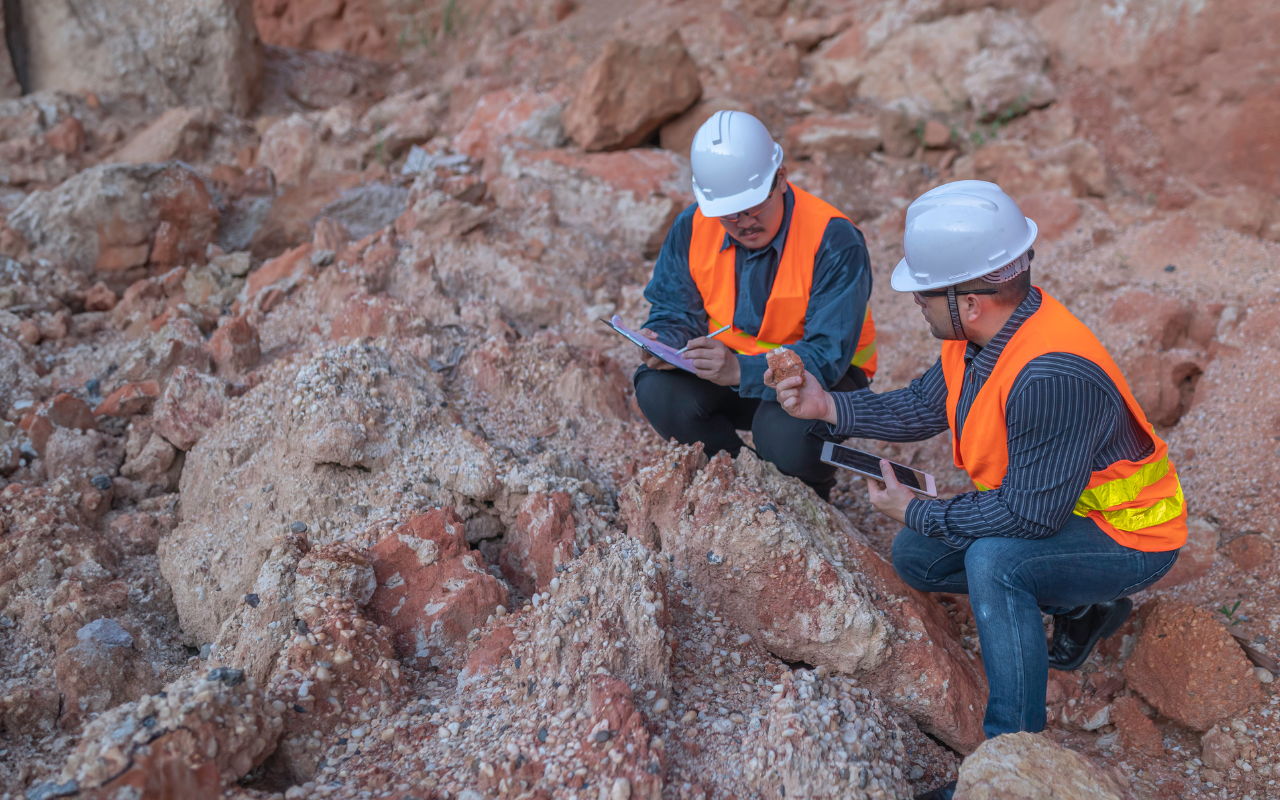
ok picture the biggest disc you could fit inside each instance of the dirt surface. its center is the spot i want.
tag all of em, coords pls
(319, 476)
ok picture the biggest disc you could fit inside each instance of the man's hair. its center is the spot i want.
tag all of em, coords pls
(1011, 293)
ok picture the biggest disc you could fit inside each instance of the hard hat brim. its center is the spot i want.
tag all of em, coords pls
(720, 206)
(903, 280)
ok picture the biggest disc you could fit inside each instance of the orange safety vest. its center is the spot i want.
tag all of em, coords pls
(1137, 503)
(714, 273)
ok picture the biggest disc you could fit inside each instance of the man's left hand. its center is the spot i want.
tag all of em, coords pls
(890, 497)
(714, 361)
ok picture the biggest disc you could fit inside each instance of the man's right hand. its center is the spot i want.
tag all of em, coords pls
(809, 401)
(650, 360)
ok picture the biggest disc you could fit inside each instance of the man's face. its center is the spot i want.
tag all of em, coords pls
(756, 227)
(938, 316)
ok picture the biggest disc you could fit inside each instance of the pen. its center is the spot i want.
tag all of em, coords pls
(711, 335)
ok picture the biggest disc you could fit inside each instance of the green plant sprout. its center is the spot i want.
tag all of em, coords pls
(1230, 614)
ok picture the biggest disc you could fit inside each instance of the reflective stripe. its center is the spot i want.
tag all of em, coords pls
(864, 355)
(1135, 519)
(1122, 490)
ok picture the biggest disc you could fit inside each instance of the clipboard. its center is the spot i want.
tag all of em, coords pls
(651, 346)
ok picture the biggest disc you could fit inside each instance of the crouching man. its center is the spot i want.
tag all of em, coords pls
(1078, 505)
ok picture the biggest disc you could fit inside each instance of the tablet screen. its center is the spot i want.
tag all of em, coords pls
(869, 463)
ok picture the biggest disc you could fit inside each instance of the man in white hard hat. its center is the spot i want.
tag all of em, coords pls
(1077, 503)
(777, 266)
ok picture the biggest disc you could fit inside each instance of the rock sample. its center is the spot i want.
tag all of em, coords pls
(1018, 765)
(785, 364)
(1189, 667)
(173, 52)
(795, 574)
(629, 91)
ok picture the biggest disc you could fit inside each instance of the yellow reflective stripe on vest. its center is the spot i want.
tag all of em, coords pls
(864, 355)
(1135, 519)
(1122, 490)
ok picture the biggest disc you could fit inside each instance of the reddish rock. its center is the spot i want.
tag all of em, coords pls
(68, 411)
(488, 656)
(99, 298)
(192, 403)
(67, 137)
(289, 149)
(785, 364)
(807, 34)
(1218, 750)
(505, 117)
(1137, 733)
(1189, 667)
(848, 135)
(1250, 552)
(936, 134)
(373, 316)
(629, 91)
(782, 566)
(179, 133)
(101, 671)
(1054, 213)
(541, 539)
(235, 347)
(432, 589)
(129, 400)
(329, 234)
(613, 709)
(1025, 765)
(282, 272)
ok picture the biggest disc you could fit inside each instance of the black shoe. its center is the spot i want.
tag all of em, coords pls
(1076, 633)
(943, 792)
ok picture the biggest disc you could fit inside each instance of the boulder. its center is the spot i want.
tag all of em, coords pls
(117, 219)
(990, 60)
(629, 91)
(846, 135)
(795, 574)
(210, 727)
(1189, 667)
(179, 133)
(191, 404)
(677, 135)
(432, 589)
(1018, 765)
(172, 53)
(542, 540)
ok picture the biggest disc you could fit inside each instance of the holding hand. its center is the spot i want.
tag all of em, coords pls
(650, 360)
(803, 398)
(714, 361)
(890, 497)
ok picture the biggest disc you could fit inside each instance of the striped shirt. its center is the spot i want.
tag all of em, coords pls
(1066, 419)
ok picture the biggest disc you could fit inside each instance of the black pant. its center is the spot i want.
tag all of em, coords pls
(686, 408)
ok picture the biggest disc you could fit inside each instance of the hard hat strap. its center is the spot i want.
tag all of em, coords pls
(954, 308)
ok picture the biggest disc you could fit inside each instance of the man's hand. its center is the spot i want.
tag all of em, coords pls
(888, 496)
(809, 401)
(714, 361)
(650, 360)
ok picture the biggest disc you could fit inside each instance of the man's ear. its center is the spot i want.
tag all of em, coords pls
(972, 306)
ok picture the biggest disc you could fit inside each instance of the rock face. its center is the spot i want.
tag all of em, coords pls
(1018, 765)
(798, 576)
(118, 220)
(992, 60)
(542, 540)
(1188, 666)
(629, 91)
(173, 53)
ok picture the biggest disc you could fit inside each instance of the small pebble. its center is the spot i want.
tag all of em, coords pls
(1264, 675)
(298, 527)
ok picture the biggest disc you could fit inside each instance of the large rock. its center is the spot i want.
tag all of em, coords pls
(191, 404)
(170, 52)
(629, 91)
(542, 540)
(119, 219)
(432, 589)
(795, 574)
(991, 60)
(1018, 765)
(1189, 667)
(204, 729)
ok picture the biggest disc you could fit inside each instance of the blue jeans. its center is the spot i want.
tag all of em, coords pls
(1009, 581)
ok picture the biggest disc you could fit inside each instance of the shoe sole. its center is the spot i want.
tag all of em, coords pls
(1110, 625)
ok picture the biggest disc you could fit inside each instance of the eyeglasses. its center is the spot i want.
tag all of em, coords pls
(922, 296)
(754, 213)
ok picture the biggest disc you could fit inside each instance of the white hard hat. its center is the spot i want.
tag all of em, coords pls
(734, 160)
(960, 231)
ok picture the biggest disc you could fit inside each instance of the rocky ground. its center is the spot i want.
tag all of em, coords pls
(319, 477)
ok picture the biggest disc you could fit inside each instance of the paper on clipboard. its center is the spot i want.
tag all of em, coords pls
(662, 351)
